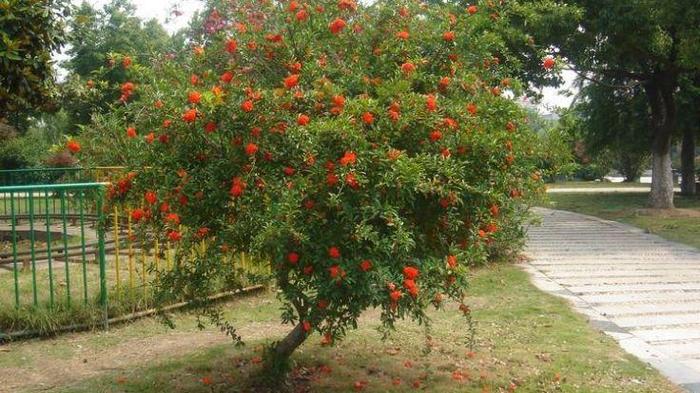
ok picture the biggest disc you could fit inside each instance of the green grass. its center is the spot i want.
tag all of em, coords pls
(524, 337)
(595, 184)
(681, 226)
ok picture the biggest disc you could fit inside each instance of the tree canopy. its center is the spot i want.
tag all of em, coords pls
(30, 31)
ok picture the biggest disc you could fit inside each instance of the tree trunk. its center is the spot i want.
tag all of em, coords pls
(688, 162)
(284, 349)
(661, 196)
(660, 91)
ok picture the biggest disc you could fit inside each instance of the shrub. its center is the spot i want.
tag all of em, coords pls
(367, 152)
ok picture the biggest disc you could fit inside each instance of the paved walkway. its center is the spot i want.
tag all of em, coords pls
(640, 289)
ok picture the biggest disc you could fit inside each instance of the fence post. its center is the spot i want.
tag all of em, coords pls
(101, 226)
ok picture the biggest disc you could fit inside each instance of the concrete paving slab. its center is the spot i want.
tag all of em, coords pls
(636, 287)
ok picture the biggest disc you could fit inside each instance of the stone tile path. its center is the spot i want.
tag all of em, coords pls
(640, 289)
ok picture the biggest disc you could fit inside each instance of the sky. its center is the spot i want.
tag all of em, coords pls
(162, 10)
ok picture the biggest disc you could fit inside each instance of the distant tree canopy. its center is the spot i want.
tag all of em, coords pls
(102, 45)
(29, 32)
(647, 46)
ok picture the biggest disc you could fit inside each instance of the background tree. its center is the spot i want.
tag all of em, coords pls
(689, 127)
(595, 37)
(30, 31)
(102, 46)
(614, 123)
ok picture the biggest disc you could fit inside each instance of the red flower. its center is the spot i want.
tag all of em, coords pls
(472, 108)
(302, 15)
(510, 126)
(306, 325)
(150, 197)
(444, 83)
(189, 116)
(231, 46)
(226, 77)
(435, 135)
(291, 81)
(366, 265)
(368, 118)
(158, 104)
(247, 106)
(131, 132)
(334, 252)
(293, 258)
(303, 120)
(174, 236)
(336, 271)
(349, 158)
(251, 149)
(448, 36)
(548, 63)
(137, 215)
(408, 68)
(127, 87)
(431, 103)
(322, 304)
(327, 339)
(194, 97)
(402, 35)
(126, 62)
(452, 261)
(348, 5)
(395, 295)
(149, 138)
(410, 273)
(494, 210)
(237, 187)
(164, 207)
(496, 91)
(339, 101)
(351, 180)
(202, 232)
(490, 228)
(73, 146)
(167, 123)
(337, 25)
(331, 179)
(472, 9)
(210, 127)
(173, 218)
(289, 171)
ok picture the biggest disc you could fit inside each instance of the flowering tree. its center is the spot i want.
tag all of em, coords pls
(367, 152)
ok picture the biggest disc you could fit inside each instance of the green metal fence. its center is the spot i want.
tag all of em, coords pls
(51, 236)
(68, 260)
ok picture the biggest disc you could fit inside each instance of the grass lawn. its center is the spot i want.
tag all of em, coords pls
(526, 340)
(681, 225)
(595, 184)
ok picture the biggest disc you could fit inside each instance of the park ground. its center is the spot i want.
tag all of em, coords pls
(525, 340)
(681, 225)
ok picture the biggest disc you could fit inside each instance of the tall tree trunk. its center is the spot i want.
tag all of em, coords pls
(660, 92)
(661, 196)
(688, 161)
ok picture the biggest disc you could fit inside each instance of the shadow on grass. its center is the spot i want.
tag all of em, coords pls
(527, 341)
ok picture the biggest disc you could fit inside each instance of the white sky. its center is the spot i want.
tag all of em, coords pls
(162, 10)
